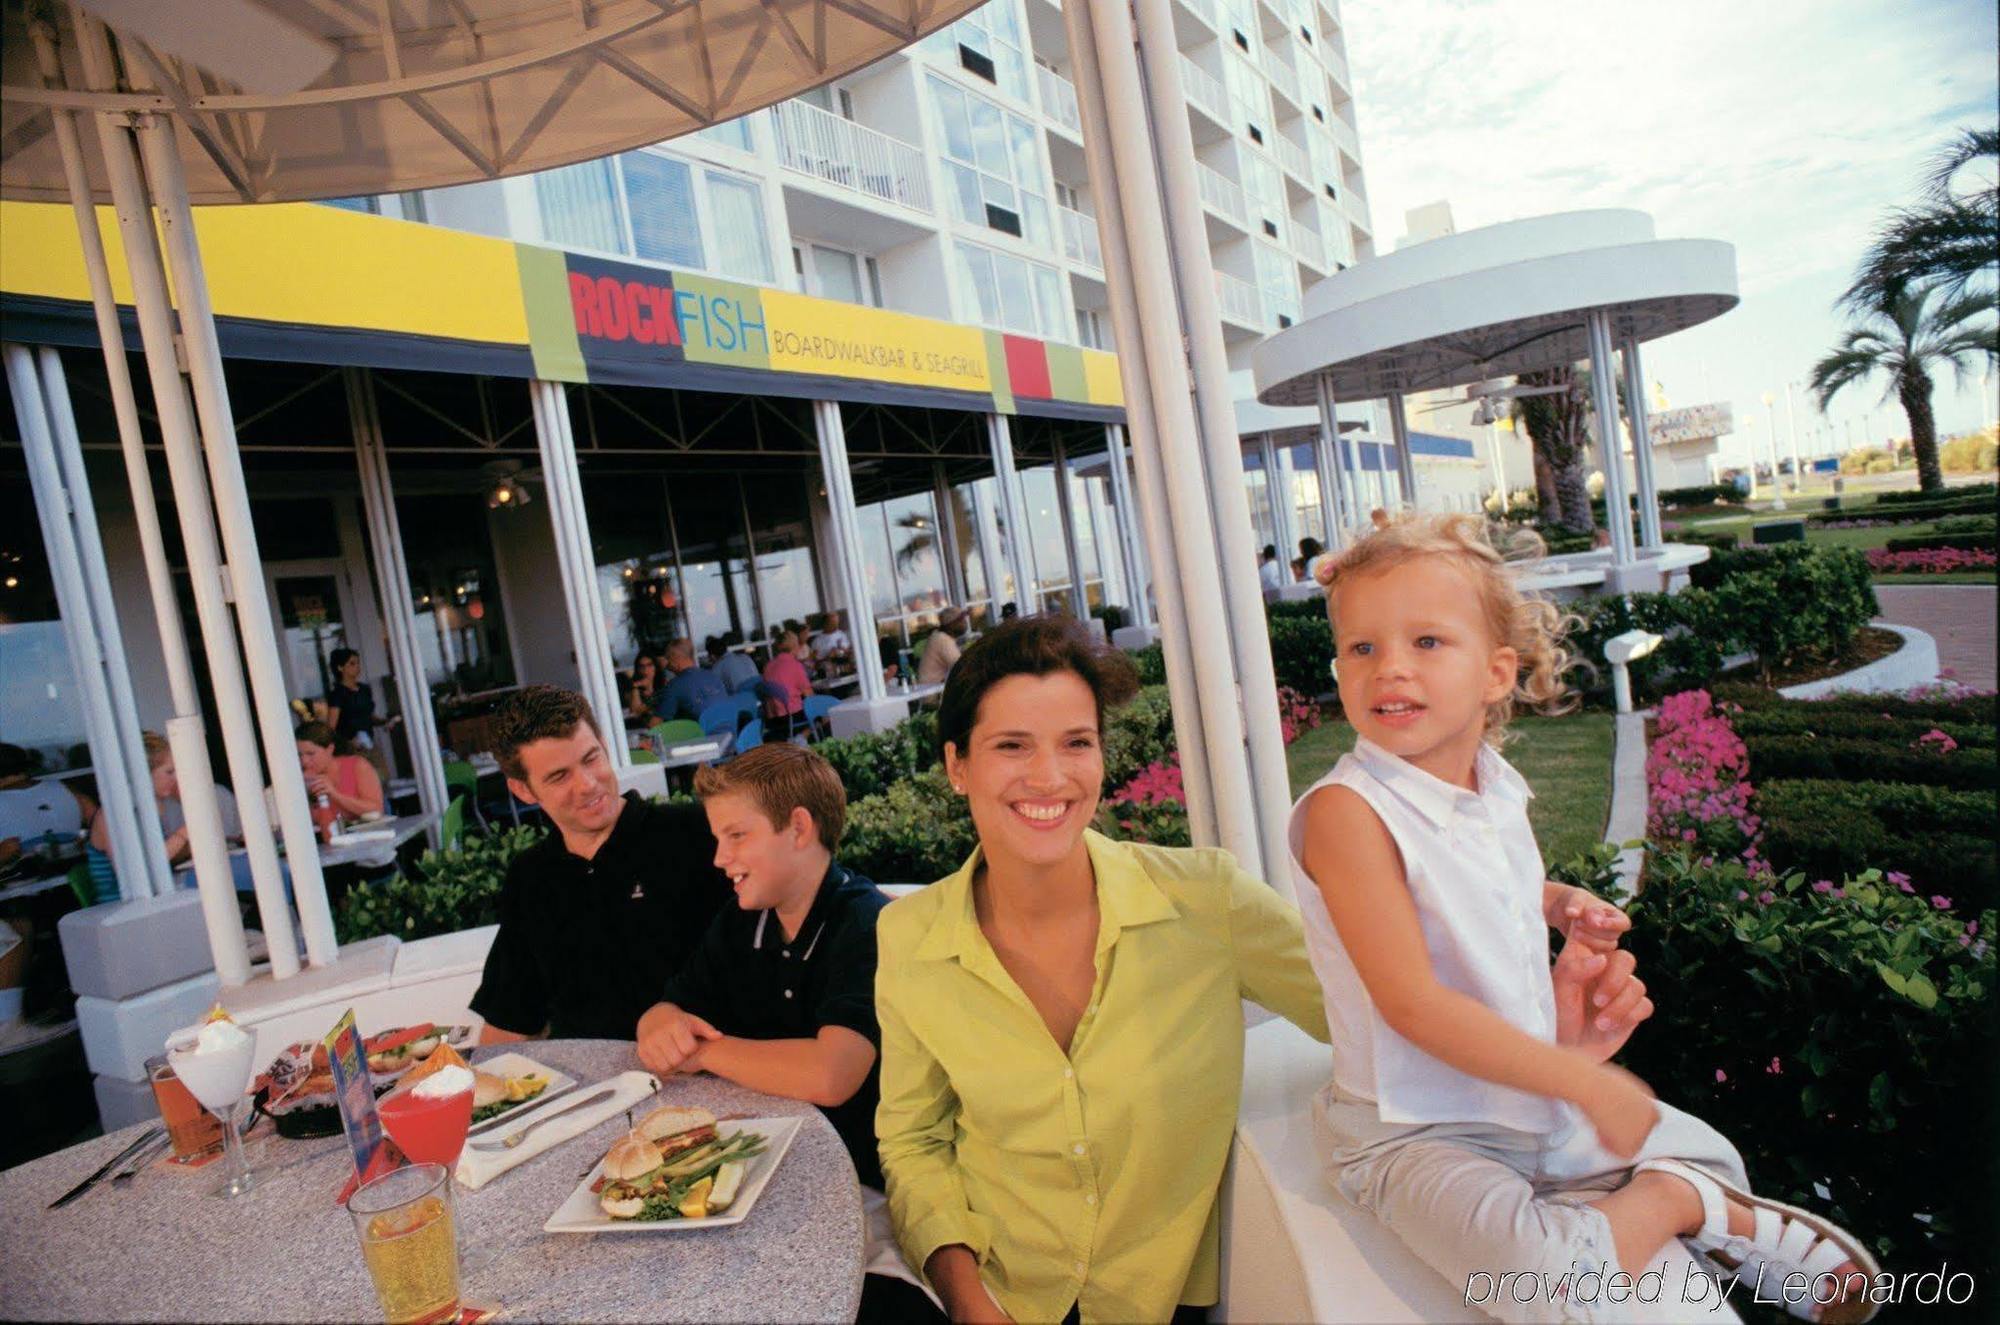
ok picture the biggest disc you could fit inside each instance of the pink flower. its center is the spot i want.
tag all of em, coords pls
(1742, 896)
(1935, 740)
(1766, 897)
(1941, 903)
(1776, 1068)
(1720, 1076)
(1823, 886)
(1900, 879)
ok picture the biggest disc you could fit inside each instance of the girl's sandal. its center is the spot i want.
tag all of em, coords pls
(1787, 1241)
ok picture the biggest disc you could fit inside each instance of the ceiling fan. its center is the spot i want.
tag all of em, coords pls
(506, 484)
(1488, 398)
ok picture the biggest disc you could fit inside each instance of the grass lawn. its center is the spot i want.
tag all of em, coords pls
(1567, 761)
(1942, 577)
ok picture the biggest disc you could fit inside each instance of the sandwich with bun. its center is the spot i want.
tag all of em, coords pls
(675, 1165)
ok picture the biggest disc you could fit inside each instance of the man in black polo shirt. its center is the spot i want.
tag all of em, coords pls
(780, 996)
(598, 916)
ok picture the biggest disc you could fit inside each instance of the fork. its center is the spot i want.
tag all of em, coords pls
(123, 1178)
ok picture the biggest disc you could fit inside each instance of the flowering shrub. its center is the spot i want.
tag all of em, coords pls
(1697, 788)
(1837, 1029)
(1155, 784)
(1297, 713)
(1931, 561)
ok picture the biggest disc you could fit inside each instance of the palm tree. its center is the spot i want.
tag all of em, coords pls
(1909, 338)
(1948, 239)
(1555, 425)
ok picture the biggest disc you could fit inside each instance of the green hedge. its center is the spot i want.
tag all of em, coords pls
(1979, 710)
(1719, 539)
(1920, 497)
(1302, 653)
(1944, 542)
(1780, 604)
(872, 762)
(448, 891)
(1965, 524)
(1844, 1041)
(1821, 718)
(1941, 837)
(1908, 513)
(1707, 494)
(1857, 759)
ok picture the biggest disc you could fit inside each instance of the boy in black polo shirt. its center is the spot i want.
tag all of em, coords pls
(780, 994)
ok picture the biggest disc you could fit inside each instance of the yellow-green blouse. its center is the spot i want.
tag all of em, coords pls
(1090, 1177)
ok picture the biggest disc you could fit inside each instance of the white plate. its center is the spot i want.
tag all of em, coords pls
(520, 1065)
(582, 1214)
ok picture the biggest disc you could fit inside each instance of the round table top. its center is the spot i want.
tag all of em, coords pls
(165, 1248)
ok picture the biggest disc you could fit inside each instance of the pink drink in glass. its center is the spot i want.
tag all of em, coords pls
(428, 1129)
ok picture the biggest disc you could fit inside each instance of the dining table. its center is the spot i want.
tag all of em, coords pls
(163, 1247)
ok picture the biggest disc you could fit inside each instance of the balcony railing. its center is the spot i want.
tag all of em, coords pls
(1240, 303)
(1338, 64)
(1283, 77)
(1293, 158)
(1220, 192)
(1079, 236)
(1308, 245)
(1345, 137)
(824, 145)
(1204, 90)
(1059, 99)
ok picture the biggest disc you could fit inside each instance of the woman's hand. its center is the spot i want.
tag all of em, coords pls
(316, 785)
(954, 1273)
(1619, 1107)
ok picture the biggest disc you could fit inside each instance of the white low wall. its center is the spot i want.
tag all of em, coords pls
(1915, 664)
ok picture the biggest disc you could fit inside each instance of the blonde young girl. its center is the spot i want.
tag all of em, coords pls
(1454, 1115)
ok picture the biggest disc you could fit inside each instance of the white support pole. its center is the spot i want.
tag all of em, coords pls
(1617, 509)
(1126, 516)
(206, 843)
(1335, 501)
(1406, 465)
(1013, 514)
(992, 553)
(127, 755)
(1642, 445)
(57, 507)
(1103, 43)
(1079, 604)
(832, 432)
(589, 640)
(271, 705)
(1284, 510)
(1791, 426)
(1149, 481)
(392, 593)
(1191, 272)
(947, 539)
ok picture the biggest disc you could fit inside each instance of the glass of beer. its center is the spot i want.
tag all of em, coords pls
(403, 1219)
(195, 1132)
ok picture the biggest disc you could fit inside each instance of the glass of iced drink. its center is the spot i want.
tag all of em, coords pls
(194, 1131)
(216, 1062)
(403, 1220)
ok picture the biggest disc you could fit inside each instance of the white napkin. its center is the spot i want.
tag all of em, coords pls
(476, 1168)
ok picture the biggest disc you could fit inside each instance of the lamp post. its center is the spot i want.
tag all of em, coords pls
(1792, 428)
(1771, 444)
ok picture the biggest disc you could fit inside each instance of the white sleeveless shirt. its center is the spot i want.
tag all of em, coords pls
(1476, 877)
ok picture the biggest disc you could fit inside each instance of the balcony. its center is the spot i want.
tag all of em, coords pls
(1059, 99)
(1205, 11)
(1239, 300)
(1204, 90)
(1079, 237)
(1293, 158)
(1337, 62)
(1310, 249)
(1345, 137)
(1284, 79)
(824, 145)
(1220, 193)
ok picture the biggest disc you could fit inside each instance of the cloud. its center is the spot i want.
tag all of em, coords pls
(1786, 127)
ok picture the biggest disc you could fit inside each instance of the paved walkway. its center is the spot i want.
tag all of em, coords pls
(1959, 616)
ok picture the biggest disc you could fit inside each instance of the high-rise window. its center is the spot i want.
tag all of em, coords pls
(579, 206)
(991, 35)
(1005, 291)
(993, 163)
(659, 194)
(737, 208)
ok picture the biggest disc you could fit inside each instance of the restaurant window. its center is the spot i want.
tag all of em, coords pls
(1048, 554)
(1089, 553)
(781, 534)
(41, 704)
(717, 597)
(973, 529)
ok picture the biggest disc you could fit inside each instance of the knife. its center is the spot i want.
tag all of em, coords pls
(148, 1135)
(513, 1139)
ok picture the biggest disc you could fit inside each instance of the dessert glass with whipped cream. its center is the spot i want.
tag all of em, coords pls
(429, 1121)
(216, 1062)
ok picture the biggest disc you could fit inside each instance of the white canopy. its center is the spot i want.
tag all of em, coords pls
(1492, 302)
(288, 100)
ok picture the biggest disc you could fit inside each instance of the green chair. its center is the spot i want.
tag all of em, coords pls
(645, 754)
(451, 829)
(678, 732)
(461, 779)
(80, 884)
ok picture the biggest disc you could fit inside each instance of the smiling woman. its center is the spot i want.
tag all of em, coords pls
(1062, 1038)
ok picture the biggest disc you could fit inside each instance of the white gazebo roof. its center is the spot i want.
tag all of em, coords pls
(289, 100)
(1492, 302)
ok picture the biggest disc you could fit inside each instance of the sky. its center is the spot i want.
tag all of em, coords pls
(1785, 127)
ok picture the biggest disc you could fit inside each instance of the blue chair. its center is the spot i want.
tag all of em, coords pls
(817, 707)
(723, 715)
(751, 736)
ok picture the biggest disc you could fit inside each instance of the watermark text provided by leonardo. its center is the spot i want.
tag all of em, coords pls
(1582, 1286)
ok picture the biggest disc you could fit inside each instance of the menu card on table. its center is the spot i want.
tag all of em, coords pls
(354, 1095)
